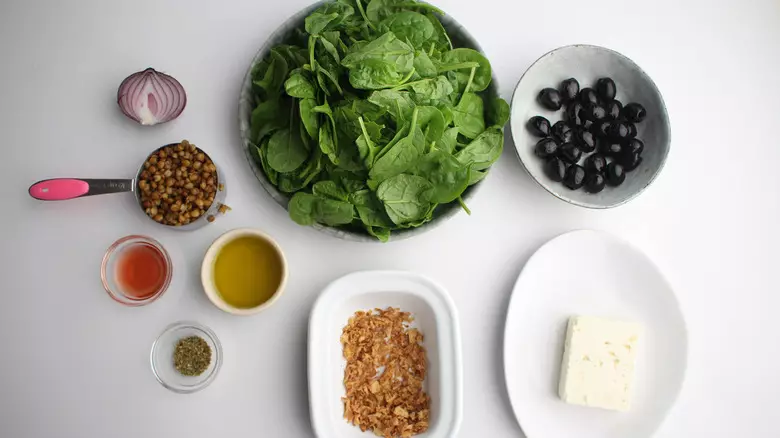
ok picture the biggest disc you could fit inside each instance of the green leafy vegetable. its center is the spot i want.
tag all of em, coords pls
(406, 198)
(469, 116)
(286, 151)
(370, 119)
(484, 150)
(409, 26)
(309, 117)
(306, 209)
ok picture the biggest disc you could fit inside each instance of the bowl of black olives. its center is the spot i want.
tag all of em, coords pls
(590, 126)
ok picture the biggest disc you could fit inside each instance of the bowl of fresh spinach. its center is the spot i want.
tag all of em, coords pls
(366, 119)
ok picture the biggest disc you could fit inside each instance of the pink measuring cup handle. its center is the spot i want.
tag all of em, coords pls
(60, 189)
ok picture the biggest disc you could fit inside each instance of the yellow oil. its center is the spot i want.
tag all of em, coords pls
(247, 272)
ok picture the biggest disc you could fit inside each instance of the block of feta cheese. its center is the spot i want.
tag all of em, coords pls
(599, 360)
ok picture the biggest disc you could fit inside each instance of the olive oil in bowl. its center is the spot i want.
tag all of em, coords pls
(243, 271)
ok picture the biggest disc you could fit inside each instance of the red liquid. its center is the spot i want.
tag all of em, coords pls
(141, 271)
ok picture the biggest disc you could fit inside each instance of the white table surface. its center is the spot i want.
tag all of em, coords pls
(75, 364)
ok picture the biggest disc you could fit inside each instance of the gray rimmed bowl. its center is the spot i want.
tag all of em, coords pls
(460, 38)
(587, 64)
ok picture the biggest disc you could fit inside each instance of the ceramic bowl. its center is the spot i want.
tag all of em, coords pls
(434, 315)
(207, 271)
(587, 64)
(460, 38)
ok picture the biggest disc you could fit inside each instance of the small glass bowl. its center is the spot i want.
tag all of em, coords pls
(108, 270)
(162, 357)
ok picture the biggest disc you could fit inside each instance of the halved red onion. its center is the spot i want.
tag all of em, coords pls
(150, 97)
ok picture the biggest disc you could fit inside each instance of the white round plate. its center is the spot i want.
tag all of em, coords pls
(591, 273)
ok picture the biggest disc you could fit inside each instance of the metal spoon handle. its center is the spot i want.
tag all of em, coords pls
(60, 189)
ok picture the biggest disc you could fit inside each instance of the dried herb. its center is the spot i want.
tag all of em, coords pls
(192, 356)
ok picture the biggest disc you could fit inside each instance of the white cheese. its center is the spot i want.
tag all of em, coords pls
(599, 362)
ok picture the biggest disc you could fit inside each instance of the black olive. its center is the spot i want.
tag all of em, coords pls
(546, 147)
(539, 126)
(630, 161)
(555, 169)
(633, 146)
(559, 129)
(618, 130)
(575, 177)
(631, 129)
(585, 140)
(596, 163)
(569, 89)
(594, 182)
(550, 98)
(570, 153)
(613, 109)
(567, 136)
(615, 174)
(573, 113)
(600, 129)
(611, 148)
(588, 95)
(593, 112)
(634, 112)
(606, 89)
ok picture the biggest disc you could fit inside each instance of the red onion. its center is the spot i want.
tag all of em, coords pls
(150, 97)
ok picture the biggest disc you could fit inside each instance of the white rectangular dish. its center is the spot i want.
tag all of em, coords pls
(435, 316)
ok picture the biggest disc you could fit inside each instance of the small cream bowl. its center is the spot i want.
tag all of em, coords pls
(209, 260)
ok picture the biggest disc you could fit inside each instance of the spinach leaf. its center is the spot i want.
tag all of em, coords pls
(382, 234)
(409, 26)
(312, 168)
(370, 211)
(401, 133)
(400, 157)
(448, 176)
(448, 140)
(406, 198)
(294, 56)
(366, 146)
(398, 103)
(327, 144)
(298, 86)
(461, 61)
(327, 17)
(423, 65)
(477, 176)
(306, 209)
(483, 150)
(262, 156)
(309, 117)
(498, 112)
(431, 122)
(330, 42)
(272, 77)
(468, 115)
(330, 189)
(377, 10)
(428, 91)
(265, 119)
(375, 74)
(286, 151)
(442, 39)
(386, 49)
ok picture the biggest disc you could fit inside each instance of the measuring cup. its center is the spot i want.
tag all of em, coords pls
(60, 189)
